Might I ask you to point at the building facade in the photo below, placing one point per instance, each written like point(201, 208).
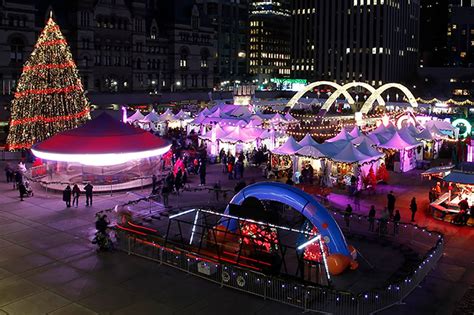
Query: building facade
point(269, 39)
point(375, 41)
point(119, 46)
point(230, 21)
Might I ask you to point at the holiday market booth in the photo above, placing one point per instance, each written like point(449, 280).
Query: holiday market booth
point(105, 152)
point(454, 205)
point(401, 152)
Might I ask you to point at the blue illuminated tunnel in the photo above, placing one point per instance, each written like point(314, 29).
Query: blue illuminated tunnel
point(294, 197)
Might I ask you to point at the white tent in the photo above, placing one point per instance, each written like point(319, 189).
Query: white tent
point(355, 132)
point(290, 118)
point(350, 154)
point(308, 141)
point(278, 119)
point(342, 135)
point(182, 115)
point(330, 149)
point(406, 135)
point(366, 148)
point(425, 134)
point(167, 115)
point(362, 138)
point(137, 116)
point(151, 117)
point(288, 148)
point(199, 119)
point(216, 132)
point(310, 151)
point(440, 125)
point(396, 142)
point(239, 134)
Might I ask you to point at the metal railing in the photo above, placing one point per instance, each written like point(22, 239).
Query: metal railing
point(291, 292)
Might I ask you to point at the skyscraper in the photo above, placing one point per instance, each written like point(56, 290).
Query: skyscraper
point(230, 21)
point(375, 41)
point(269, 38)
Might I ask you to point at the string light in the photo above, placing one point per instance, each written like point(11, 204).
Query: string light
point(49, 97)
point(450, 101)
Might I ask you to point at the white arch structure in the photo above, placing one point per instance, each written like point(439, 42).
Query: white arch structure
point(292, 102)
point(370, 101)
point(333, 98)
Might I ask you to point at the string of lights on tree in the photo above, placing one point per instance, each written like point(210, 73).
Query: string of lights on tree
point(49, 97)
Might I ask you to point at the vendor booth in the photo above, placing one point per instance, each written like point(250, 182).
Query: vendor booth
point(455, 205)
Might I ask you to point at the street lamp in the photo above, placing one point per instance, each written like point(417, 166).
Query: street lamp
point(177, 84)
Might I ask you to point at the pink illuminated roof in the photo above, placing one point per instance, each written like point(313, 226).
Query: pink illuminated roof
point(102, 135)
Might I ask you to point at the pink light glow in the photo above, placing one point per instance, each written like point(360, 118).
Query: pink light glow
point(107, 159)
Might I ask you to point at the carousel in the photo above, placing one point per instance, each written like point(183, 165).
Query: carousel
point(105, 152)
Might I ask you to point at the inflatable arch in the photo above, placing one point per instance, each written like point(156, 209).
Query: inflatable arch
point(312, 210)
point(370, 101)
point(292, 102)
point(333, 98)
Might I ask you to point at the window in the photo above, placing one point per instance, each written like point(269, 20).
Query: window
point(85, 61)
point(139, 63)
point(204, 58)
point(204, 80)
point(153, 33)
point(16, 49)
point(183, 60)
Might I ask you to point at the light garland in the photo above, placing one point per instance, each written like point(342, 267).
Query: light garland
point(450, 101)
point(49, 97)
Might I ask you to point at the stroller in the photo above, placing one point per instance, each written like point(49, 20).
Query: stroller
point(29, 190)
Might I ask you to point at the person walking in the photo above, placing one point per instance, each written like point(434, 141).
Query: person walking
point(224, 163)
point(371, 218)
point(391, 203)
point(76, 191)
point(396, 222)
point(67, 196)
point(18, 176)
point(88, 189)
point(8, 173)
point(202, 172)
point(165, 192)
point(347, 214)
point(413, 209)
point(384, 221)
point(22, 189)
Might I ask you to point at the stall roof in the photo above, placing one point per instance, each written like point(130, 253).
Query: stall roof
point(342, 135)
point(396, 142)
point(308, 140)
point(366, 148)
point(355, 132)
point(167, 115)
point(152, 117)
point(351, 154)
point(242, 135)
point(310, 151)
point(136, 116)
point(288, 148)
point(406, 135)
point(219, 132)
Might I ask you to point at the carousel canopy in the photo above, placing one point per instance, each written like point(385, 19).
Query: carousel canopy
point(342, 135)
point(310, 151)
point(461, 174)
point(102, 141)
point(151, 117)
point(288, 148)
point(136, 116)
point(167, 115)
point(308, 140)
point(350, 154)
point(396, 142)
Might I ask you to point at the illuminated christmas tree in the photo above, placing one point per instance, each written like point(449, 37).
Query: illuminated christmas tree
point(382, 173)
point(49, 97)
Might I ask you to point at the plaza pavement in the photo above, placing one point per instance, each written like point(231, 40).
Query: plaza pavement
point(49, 266)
